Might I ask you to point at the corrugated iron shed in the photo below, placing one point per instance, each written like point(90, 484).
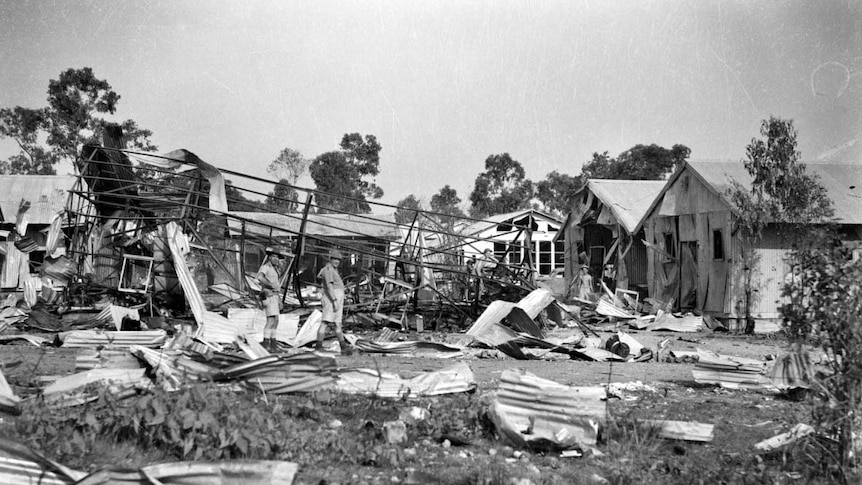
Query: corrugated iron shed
point(269, 224)
point(47, 194)
point(627, 199)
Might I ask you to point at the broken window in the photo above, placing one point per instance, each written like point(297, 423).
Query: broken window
point(717, 245)
point(669, 246)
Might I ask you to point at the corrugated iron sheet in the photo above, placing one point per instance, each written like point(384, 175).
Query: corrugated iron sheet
point(628, 200)
point(47, 194)
point(97, 338)
point(539, 413)
point(843, 182)
point(453, 379)
point(269, 224)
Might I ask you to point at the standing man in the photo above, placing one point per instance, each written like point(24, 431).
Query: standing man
point(332, 289)
point(270, 283)
point(483, 269)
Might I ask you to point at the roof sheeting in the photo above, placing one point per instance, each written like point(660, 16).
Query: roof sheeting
point(270, 224)
point(843, 183)
point(47, 194)
point(627, 199)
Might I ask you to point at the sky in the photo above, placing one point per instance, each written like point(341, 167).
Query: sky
point(445, 84)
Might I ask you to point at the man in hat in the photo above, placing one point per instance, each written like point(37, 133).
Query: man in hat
point(270, 283)
point(332, 299)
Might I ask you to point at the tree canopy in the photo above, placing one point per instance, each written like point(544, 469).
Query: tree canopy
point(344, 175)
point(502, 187)
point(556, 192)
point(288, 166)
point(781, 193)
point(640, 162)
point(75, 101)
point(407, 208)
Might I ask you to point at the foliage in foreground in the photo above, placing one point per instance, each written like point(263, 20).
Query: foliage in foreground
point(204, 422)
point(825, 301)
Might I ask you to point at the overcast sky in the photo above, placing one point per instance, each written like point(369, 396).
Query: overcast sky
point(443, 84)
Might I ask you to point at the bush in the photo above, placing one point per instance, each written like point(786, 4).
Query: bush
point(824, 308)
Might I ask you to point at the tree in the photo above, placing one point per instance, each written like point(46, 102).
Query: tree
point(289, 165)
point(342, 175)
point(502, 187)
point(70, 120)
point(781, 194)
point(407, 209)
point(446, 201)
point(282, 198)
point(557, 190)
point(640, 162)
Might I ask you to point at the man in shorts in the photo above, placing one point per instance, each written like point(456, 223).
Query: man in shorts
point(332, 298)
point(270, 284)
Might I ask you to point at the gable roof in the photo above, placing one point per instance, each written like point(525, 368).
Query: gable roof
point(492, 221)
point(842, 181)
point(47, 194)
point(271, 224)
point(628, 200)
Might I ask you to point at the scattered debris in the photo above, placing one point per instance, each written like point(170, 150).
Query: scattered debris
point(529, 411)
point(20, 464)
point(796, 433)
point(684, 430)
point(731, 372)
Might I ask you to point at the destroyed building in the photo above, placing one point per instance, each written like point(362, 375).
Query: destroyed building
point(602, 228)
point(30, 210)
point(695, 257)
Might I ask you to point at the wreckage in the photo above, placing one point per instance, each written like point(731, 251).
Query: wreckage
point(144, 264)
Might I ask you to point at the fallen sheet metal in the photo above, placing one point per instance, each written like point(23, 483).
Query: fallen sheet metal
point(792, 371)
point(304, 372)
point(610, 310)
point(536, 301)
point(598, 355)
point(454, 379)
point(308, 332)
point(69, 390)
point(538, 413)
point(171, 368)
point(97, 338)
point(687, 323)
point(8, 400)
point(419, 348)
point(86, 359)
point(493, 314)
point(799, 431)
point(257, 472)
point(21, 465)
point(33, 339)
point(212, 327)
point(731, 372)
point(251, 322)
point(684, 430)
